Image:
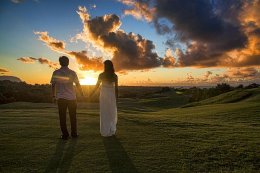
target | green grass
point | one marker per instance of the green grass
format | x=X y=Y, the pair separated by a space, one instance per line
x=237 y=95
x=154 y=135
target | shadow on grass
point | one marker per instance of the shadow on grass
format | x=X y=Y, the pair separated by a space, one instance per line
x=63 y=156
x=119 y=161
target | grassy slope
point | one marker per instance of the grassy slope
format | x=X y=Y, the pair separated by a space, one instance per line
x=151 y=138
x=237 y=95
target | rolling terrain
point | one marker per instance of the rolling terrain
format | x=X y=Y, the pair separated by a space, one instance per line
x=159 y=133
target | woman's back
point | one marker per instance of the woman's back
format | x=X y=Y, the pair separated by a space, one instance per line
x=108 y=109
x=108 y=80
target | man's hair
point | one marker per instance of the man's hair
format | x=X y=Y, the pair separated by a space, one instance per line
x=64 y=61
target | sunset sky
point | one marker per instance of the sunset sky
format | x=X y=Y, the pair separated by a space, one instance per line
x=151 y=42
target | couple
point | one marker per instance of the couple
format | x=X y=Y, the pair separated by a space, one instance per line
x=63 y=92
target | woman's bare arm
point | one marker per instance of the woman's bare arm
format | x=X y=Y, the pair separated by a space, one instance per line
x=96 y=87
x=116 y=88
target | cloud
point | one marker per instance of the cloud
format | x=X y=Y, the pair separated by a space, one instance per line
x=129 y=51
x=207 y=35
x=51 y=42
x=40 y=60
x=27 y=59
x=85 y=62
x=3 y=70
x=48 y=62
x=242 y=73
x=189 y=78
x=139 y=10
x=232 y=75
x=238 y=75
x=213 y=33
x=208 y=74
x=169 y=60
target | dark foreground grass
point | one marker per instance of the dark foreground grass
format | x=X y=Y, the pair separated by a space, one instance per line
x=210 y=138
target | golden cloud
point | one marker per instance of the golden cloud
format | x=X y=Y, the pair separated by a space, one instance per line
x=84 y=61
x=40 y=60
x=3 y=70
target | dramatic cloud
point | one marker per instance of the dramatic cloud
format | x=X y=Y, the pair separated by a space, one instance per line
x=40 y=60
x=213 y=33
x=3 y=71
x=85 y=62
x=129 y=51
x=209 y=36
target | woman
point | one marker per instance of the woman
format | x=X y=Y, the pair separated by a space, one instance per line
x=107 y=99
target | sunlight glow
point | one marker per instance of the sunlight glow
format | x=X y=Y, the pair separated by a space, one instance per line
x=88 y=80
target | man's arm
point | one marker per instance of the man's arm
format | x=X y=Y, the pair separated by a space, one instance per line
x=53 y=87
x=53 y=90
x=78 y=86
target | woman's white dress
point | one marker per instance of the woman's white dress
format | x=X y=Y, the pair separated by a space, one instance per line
x=108 y=109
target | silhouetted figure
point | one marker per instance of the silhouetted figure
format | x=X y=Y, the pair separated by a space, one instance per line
x=63 y=92
x=108 y=99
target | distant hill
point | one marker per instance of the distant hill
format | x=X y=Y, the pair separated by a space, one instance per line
x=10 y=78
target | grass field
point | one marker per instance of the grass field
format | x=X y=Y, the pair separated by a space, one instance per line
x=154 y=135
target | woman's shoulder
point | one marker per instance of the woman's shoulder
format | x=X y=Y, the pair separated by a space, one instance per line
x=101 y=76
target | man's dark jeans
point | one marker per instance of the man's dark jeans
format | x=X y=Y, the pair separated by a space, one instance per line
x=63 y=105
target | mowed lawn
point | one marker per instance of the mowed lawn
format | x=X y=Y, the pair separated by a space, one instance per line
x=150 y=138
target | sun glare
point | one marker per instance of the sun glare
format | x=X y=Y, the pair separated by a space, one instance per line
x=88 y=81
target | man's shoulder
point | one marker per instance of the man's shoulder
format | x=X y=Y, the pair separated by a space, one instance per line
x=72 y=72
x=56 y=71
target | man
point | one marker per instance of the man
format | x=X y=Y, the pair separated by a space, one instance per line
x=63 y=92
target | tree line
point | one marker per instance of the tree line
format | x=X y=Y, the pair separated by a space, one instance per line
x=41 y=93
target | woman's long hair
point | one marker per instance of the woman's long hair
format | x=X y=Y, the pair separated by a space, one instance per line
x=109 y=71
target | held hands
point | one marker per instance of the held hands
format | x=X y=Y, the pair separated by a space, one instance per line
x=86 y=98
x=82 y=97
x=90 y=97
x=91 y=94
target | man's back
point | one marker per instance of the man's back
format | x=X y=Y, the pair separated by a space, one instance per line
x=63 y=79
